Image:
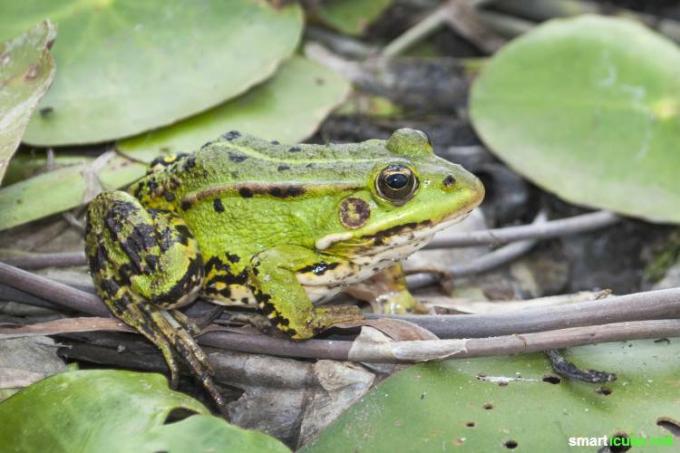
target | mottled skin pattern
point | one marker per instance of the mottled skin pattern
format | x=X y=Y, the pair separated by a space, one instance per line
x=245 y=220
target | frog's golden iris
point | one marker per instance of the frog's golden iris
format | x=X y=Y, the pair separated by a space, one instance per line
x=245 y=220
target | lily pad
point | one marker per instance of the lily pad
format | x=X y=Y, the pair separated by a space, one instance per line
x=117 y=411
x=26 y=71
x=588 y=108
x=127 y=66
x=499 y=404
x=289 y=107
x=351 y=16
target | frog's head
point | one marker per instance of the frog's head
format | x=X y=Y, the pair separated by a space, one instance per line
x=409 y=194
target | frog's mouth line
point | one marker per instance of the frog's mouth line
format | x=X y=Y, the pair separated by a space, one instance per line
x=416 y=233
x=419 y=233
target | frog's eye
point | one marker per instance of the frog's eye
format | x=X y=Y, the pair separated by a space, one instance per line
x=396 y=183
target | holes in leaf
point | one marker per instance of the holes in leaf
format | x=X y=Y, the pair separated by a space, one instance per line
x=669 y=424
x=606 y=391
x=488 y=406
x=470 y=424
x=178 y=414
x=510 y=444
x=619 y=442
x=552 y=379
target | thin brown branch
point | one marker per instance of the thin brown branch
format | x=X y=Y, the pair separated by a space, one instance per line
x=536 y=230
x=660 y=304
x=460 y=15
x=42 y=260
x=391 y=352
x=63 y=296
x=484 y=263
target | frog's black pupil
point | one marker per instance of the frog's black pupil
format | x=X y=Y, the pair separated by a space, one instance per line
x=397 y=180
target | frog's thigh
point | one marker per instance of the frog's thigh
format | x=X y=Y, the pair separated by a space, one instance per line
x=150 y=253
x=281 y=297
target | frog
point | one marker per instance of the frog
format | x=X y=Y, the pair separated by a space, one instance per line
x=283 y=228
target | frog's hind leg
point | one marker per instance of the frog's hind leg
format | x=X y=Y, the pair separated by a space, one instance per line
x=144 y=264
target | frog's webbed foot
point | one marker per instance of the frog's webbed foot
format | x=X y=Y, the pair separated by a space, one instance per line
x=282 y=298
x=388 y=293
x=144 y=264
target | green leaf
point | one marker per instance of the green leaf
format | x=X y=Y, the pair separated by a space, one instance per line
x=458 y=405
x=351 y=16
x=26 y=71
x=116 y=411
x=588 y=108
x=289 y=107
x=127 y=66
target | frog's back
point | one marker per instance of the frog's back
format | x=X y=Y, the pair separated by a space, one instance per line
x=240 y=194
x=243 y=159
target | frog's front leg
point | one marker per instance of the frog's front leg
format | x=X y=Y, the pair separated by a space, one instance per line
x=144 y=264
x=274 y=283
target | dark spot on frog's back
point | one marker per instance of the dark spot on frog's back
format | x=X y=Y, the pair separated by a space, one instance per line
x=286 y=191
x=245 y=192
x=233 y=258
x=169 y=196
x=231 y=135
x=237 y=157
x=354 y=212
x=283 y=168
x=189 y=163
x=217 y=205
x=294 y=149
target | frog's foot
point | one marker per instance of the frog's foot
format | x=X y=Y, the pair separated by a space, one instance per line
x=387 y=292
x=400 y=303
x=323 y=318
x=171 y=337
x=187 y=323
x=145 y=263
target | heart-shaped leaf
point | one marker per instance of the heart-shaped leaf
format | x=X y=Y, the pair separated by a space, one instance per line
x=127 y=66
x=588 y=108
x=116 y=411
x=26 y=71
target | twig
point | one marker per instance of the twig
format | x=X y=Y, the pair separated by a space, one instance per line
x=42 y=260
x=61 y=295
x=399 y=351
x=543 y=230
x=484 y=263
x=660 y=304
x=460 y=16
x=505 y=25
x=338 y=43
x=431 y=23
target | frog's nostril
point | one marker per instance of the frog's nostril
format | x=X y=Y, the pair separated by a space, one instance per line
x=449 y=181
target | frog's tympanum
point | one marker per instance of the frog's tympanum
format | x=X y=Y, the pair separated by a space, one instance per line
x=247 y=221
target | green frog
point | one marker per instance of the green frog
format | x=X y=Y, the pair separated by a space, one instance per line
x=285 y=227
